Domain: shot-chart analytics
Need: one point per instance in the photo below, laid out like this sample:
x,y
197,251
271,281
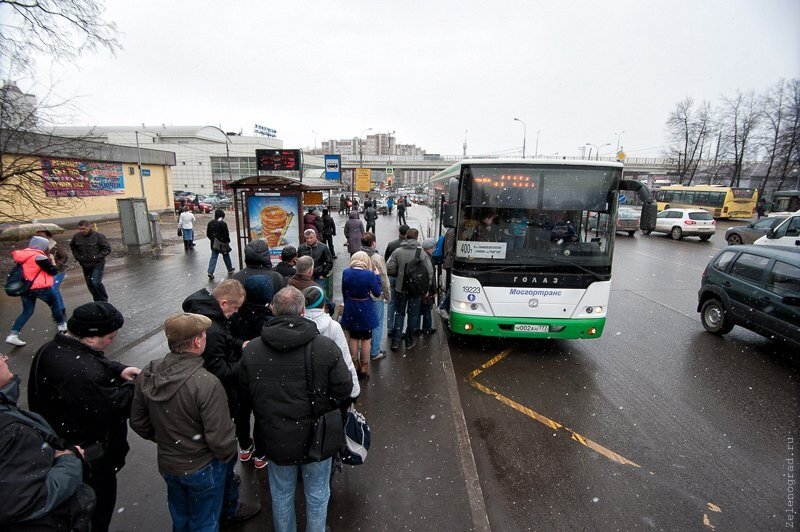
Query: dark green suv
x,y
756,287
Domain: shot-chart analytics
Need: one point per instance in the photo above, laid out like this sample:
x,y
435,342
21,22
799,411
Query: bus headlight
x,y
592,331
462,305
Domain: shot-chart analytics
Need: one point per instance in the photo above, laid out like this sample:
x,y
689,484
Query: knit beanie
x,y
98,318
315,297
39,242
258,289
428,243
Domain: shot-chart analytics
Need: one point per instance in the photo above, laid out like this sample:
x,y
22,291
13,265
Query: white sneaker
x,y
62,327
13,339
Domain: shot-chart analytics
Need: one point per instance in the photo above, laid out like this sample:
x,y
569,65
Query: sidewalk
x,y
419,474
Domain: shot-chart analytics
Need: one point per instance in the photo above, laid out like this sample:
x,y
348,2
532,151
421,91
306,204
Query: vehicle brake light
x,y
713,222
689,222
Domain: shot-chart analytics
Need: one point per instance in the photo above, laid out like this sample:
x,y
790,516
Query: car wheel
x,y
646,232
714,317
631,233
676,233
734,240
705,238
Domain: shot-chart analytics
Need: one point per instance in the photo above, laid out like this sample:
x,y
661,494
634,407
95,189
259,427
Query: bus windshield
x,y
527,214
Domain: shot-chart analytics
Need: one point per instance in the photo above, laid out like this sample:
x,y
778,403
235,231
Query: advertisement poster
x,y
275,220
71,178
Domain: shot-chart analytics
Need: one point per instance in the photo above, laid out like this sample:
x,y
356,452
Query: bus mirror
x,y
452,190
647,222
449,214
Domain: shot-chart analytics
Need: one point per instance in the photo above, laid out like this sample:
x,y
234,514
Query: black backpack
x,y
16,284
416,279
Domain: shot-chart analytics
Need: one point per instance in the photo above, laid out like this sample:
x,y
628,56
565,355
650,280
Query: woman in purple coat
x,y
353,231
359,281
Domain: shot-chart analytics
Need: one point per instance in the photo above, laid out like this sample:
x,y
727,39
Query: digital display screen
x,y
278,159
506,180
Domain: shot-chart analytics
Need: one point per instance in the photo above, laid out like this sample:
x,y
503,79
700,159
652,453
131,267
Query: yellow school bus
x,y
720,201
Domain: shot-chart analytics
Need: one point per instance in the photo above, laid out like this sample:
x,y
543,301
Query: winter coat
x,y
380,265
61,257
323,260
33,481
257,262
81,393
353,231
36,267
328,226
359,310
182,407
186,220
391,247
223,351
330,328
301,282
310,222
285,269
405,254
273,383
90,249
218,229
370,214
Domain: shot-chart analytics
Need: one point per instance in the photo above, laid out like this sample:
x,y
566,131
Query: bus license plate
x,y
522,327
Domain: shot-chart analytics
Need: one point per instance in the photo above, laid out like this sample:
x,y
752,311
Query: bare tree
x,y
688,127
787,159
61,29
740,118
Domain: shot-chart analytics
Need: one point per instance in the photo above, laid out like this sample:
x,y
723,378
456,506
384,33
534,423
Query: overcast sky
x,y
434,72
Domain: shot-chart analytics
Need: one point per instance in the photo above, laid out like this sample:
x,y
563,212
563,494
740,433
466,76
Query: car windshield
x,y
529,214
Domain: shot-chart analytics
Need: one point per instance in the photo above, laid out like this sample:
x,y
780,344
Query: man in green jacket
x,y
184,409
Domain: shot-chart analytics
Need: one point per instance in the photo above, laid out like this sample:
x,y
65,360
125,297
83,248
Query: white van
x,y
787,234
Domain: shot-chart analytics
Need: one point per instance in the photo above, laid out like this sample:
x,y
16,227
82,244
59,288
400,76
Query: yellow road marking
x,y
544,420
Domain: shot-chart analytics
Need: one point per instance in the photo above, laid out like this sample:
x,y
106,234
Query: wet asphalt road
x,y
658,424
655,425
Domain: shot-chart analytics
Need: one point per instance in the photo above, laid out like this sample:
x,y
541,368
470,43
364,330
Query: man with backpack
x,y
414,272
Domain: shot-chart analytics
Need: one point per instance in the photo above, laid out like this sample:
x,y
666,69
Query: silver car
x,y
685,222
747,234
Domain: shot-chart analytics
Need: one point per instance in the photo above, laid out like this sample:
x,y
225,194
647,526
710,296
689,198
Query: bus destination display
x,y
278,159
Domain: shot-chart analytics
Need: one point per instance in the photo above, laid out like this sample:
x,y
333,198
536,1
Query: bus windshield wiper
x,y
571,263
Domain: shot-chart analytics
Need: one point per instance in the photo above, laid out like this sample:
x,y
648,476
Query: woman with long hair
x,y
360,280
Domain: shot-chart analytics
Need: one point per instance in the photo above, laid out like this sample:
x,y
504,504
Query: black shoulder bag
x,y
327,435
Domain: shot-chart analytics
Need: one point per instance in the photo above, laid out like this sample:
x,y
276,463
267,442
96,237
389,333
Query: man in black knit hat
x,y
87,398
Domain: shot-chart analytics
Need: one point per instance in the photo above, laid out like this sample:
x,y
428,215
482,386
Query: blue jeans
x,y
230,497
317,489
188,234
195,501
426,310
412,304
377,332
29,304
212,263
57,280
390,307
94,281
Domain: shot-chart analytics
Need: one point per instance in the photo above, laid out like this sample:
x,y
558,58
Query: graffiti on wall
x,y
72,178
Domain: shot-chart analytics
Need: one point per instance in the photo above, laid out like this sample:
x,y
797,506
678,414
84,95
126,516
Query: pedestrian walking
x,y
38,268
90,248
353,231
342,204
221,357
761,209
390,204
60,258
285,414
401,211
360,281
409,259
288,259
390,248
42,481
87,397
370,216
368,246
449,246
429,297
186,223
328,231
327,326
220,238
181,406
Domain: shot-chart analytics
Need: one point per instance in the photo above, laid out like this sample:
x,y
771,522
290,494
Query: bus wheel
x,y
714,318
676,233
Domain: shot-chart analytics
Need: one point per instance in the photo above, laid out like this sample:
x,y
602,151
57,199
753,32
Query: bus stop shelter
x,y
271,208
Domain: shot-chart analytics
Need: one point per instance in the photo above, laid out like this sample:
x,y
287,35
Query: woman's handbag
x,y
357,436
220,247
327,435
180,231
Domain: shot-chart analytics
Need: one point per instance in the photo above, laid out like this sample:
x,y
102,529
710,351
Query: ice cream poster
x,y
274,220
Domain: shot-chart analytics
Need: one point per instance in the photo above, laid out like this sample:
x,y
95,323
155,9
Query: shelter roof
x,y
283,182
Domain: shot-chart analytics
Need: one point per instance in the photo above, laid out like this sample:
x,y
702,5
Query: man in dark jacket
x,y
221,357
412,302
87,397
288,259
257,262
323,260
182,408
390,247
41,478
90,249
273,381
328,231
370,215
217,230
401,211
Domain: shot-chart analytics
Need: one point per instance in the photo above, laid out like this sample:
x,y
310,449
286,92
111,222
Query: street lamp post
x,y
524,135
597,150
536,154
619,135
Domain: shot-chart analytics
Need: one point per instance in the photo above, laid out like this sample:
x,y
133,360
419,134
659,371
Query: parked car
x,y
218,201
787,234
627,220
679,223
747,234
181,201
755,287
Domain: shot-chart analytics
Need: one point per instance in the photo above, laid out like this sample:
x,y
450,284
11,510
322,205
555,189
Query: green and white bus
x,y
534,241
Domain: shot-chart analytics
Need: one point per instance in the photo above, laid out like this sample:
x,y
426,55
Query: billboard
x,y
278,160
363,179
73,178
274,219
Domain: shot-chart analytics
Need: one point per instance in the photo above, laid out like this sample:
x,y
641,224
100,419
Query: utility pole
x,y
139,163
